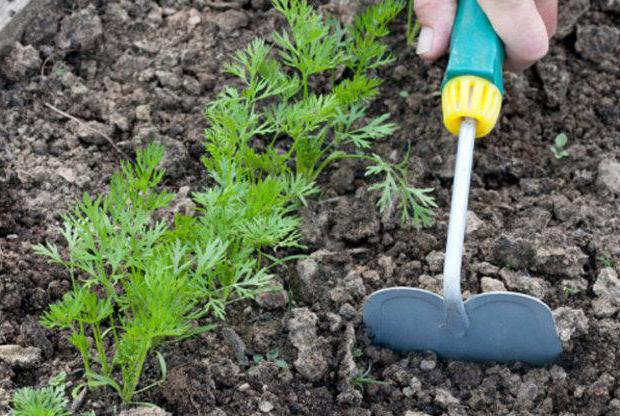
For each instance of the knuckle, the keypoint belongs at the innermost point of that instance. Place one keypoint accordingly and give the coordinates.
(424, 8)
(536, 49)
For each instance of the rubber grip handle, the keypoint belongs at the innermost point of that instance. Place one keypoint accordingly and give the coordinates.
(475, 48)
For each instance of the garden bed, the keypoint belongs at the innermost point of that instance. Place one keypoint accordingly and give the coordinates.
(139, 72)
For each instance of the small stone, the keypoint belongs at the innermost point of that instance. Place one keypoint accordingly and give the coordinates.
(563, 208)
(428, 365)
(178, 19)
(244, 387)
(67, 174)
(431, 283)
(143, 112)
(194, 19)
(18, 356)
(445, 399)
(145, 411)
(515, 253)
(609, 176)
(569, 14)
(524, 283)
(311, 362)
(236, 344)
(485, 268)
(603, 308)
(21, 62)
(561, 261)
(265, 406)
(597, 42)
(276, 299)
(607, 285)
(169, 79)
(488, 284)
(307, 278)
(473, 223)
(231, 20)
(435, 261)
(526, 394)
(556, 80)
(335, 321)
(387, 264)
(570, 322)
(611, 5)
(558, 374)
(415, 413)
(91, 132)
(82, 30)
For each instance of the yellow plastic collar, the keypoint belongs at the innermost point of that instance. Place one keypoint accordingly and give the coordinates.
(470, 96)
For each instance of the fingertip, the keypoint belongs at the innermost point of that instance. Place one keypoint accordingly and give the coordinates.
(436, 18)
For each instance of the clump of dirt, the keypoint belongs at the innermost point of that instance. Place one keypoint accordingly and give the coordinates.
(139, 71)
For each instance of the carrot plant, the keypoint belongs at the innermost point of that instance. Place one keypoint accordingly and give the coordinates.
(140, 280)
(303, 104)
(137, 281)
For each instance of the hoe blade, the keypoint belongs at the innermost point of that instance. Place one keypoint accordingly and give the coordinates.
(504, 326)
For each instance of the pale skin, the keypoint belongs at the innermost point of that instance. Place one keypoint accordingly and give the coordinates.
(525, 27)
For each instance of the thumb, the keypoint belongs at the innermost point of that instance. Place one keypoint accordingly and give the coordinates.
(436, 18)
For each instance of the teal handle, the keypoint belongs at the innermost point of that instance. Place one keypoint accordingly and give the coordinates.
(475, 48)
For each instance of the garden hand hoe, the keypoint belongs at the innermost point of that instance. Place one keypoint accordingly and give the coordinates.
(494, 326)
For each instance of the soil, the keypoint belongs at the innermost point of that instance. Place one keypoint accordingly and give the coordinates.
(141, 70)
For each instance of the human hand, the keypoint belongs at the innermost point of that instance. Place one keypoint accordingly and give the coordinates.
(524, 26)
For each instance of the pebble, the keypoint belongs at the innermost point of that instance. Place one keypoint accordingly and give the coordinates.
(21, 61)
(265, 406)
(561, 261)
(607, 285)
(435, 261)
(609, 176)
(145, 411)
(275, 299)
(67, 174)
(428, 365)
(231, 20)
(90, 132)
(570, 322)
(81, 30)
(511, 252)
(473, 223)
(18, 356)
(488, 284)
(445, 399)
(307, 276)
(524, 283)
(302, 327)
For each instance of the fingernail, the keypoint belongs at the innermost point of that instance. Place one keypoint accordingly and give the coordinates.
(425, 40)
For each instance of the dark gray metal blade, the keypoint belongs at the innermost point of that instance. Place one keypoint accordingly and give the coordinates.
(504, 326)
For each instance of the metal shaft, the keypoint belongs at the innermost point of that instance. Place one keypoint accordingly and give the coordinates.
(455, 317)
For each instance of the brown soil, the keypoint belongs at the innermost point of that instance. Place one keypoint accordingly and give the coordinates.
(142, 70)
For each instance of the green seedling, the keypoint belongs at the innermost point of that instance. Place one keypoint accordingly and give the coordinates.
(413, 28)
(139, 282)
(360, 381)
(570, 291)
(295, 113)
(46, 401)
(559, 146)
(606, 261)
(270, 356)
